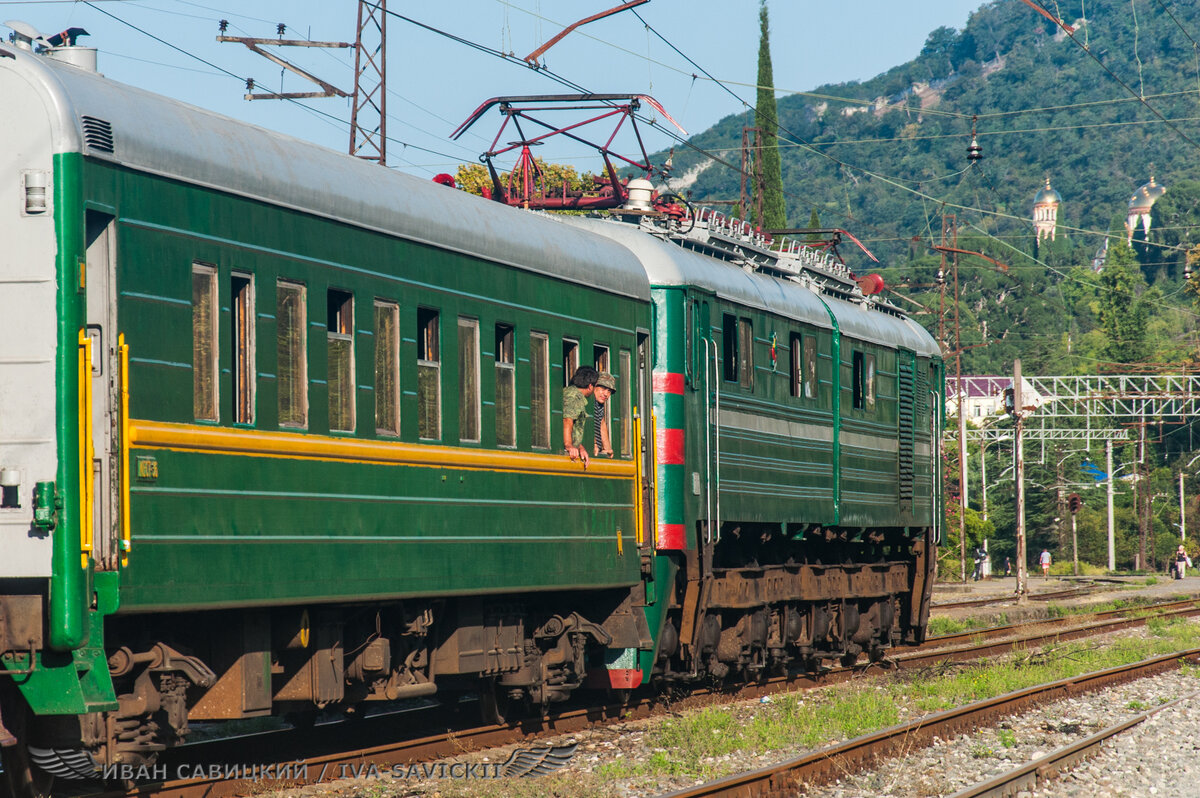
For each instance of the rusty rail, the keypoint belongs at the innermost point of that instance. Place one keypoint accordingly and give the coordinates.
(827, 764)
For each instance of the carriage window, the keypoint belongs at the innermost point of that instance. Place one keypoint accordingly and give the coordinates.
(539, 389)
(600, 357)
(429, 375)
(858, 381)
(204, 342)
(340, 322)
(242, 301)
(869, 382)
(797, 358)
(810, 367)
(468, 380)
(387, 368)
(626, 391)
(506, 387)
(746, 349)
(570, 360)
(729, 341)
(291, 322)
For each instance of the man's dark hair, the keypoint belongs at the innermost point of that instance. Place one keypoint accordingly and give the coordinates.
(584, 377)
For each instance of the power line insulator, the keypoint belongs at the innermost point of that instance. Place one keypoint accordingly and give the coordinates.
(974, 151)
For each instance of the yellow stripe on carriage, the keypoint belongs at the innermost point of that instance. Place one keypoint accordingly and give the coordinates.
(300, 446)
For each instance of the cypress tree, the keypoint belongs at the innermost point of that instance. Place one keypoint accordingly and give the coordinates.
(766, 118)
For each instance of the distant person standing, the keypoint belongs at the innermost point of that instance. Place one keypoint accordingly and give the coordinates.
(1008, 566)
(1044, 561)
(980, 557)
(1182, 561)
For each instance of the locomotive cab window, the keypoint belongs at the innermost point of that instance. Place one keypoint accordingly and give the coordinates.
(204, 342)
(242, 321)
(429, 375)
(796, 357)
(869, 384)
(291, 322)
(506, 387)
(340, 321)
(468, 380)
(810, 367)
(387, 368)
(539, 390)
(864, 381)
(729, 343)
(746, 350)
(858, 380)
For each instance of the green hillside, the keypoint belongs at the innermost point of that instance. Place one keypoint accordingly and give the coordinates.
(889, 157)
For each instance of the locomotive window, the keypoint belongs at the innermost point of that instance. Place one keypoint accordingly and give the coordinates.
(429, 375)
(204, 342)
(468, 380)
(869, 382)
(506, 387)
(797, 358)
(810, 367)
(570, 360)
(340, 321)
(291, 323)
(626, 390)
(242, 302)
(387, 368)
(746, 349)
(858, 381)
(539, 393)
(729, 341)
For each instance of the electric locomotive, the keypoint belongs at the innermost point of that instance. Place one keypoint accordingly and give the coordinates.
(278, 433)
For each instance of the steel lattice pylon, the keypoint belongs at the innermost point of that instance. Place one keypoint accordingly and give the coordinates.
(368, 120)
(1107, 404)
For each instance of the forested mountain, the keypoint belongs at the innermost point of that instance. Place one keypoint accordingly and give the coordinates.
(886, 157)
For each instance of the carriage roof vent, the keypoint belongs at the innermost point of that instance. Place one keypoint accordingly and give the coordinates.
(97, 134)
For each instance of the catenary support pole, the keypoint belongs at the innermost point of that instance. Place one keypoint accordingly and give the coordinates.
(1112, 549)
(1019, 455)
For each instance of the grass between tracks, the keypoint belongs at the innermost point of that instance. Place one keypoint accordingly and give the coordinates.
(700, 745)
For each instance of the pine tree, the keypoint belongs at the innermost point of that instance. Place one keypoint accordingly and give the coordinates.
(766, 119)
(814, 223)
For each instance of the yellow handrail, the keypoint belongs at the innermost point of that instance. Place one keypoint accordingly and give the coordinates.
(87, 451)
(126, 537)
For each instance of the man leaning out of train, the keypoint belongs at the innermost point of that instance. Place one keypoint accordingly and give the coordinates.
(575, 411)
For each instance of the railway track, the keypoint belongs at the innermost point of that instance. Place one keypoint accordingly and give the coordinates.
(354, 741)
(827, 764)
(1049, 595)
(1042, 769)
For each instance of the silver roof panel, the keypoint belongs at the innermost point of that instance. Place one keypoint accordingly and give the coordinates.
(155, 134)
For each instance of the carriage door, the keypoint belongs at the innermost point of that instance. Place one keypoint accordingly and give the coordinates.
(100, 329)
(700, 367)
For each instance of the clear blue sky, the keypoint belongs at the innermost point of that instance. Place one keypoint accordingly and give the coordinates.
(435, 83)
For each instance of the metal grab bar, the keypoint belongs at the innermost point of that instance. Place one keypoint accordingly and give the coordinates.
(126, 458)
(87, 452)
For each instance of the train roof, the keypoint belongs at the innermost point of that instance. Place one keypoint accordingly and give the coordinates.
(669, 264)
(114, 122)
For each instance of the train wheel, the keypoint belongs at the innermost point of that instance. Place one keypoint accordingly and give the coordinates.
(495, 704)
(21, 777)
